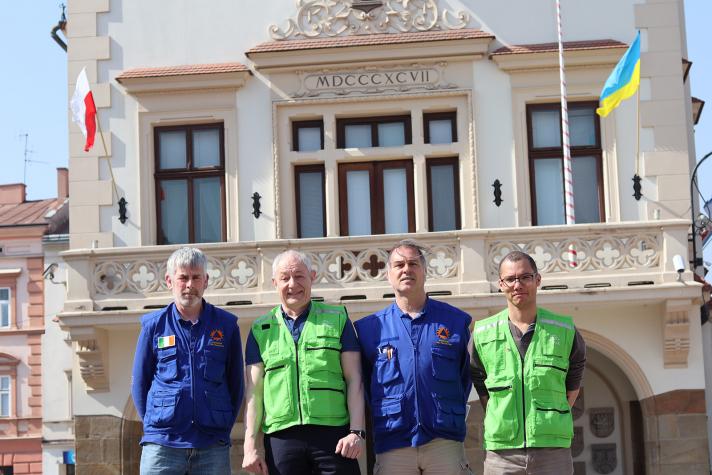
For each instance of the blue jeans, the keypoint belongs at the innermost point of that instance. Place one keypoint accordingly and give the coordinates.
(160, 460)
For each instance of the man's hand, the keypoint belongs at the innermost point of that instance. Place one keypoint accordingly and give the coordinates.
(350, 446)
(253, 462)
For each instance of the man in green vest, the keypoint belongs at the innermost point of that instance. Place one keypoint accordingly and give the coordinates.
(304, 389)
(527, 365)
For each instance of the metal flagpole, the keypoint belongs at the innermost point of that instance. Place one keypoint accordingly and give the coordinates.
(568, 165)
(106, 156)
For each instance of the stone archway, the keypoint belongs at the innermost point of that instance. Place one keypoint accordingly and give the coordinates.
(131, 433)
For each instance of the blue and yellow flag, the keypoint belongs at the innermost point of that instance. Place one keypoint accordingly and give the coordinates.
(623, 81)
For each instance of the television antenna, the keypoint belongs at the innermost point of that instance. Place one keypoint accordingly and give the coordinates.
(27, 154)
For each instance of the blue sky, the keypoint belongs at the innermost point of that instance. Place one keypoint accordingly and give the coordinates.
(34, 91)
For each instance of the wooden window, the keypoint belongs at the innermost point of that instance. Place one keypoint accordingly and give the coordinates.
(373, 132)
(5, 396)
(376, 198)
(546, 172)
(190, 183)
(5, 307)
(440, 127)
(308, 136)
(310, 200)
(443, 176)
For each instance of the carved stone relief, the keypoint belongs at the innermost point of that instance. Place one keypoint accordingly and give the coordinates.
(602, 421)
(325, 18)
(579, 468)
(577, 444)
(604, 458)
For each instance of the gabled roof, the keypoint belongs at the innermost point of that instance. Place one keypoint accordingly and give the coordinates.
(28, 213)
(553, 47)
(367, 40)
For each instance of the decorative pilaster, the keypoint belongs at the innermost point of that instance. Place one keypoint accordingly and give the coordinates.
(676, 333)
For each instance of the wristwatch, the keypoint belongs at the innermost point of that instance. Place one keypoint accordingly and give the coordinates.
(360, 433)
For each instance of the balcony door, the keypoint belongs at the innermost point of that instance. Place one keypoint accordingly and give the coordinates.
(376, 198)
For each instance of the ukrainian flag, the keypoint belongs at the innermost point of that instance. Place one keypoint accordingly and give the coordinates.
(623, 81)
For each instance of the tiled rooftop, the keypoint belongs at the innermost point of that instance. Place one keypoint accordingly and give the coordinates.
(568, 46)
(182, 70)
(27, 213)
(368, 40)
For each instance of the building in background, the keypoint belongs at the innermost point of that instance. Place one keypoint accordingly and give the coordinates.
(23, 225)
(338, 128)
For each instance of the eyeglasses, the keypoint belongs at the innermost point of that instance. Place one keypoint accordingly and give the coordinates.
(524, 279)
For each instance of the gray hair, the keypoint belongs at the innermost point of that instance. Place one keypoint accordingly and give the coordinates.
(188, 258)
(516, 256)
(297, 255)
(412, 244)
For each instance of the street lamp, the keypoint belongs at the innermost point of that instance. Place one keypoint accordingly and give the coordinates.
(698, 222)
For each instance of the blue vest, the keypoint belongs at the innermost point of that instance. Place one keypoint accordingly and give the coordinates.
(417, 387)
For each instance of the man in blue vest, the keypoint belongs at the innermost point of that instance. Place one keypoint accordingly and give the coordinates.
(187, 376)
(527, 366)
(416, 374)
(304, 389)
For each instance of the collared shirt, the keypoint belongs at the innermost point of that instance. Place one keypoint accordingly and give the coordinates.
(349, 342)
(577, 359)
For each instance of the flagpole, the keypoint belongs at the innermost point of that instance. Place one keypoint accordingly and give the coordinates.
(637, 132)
(106, 156)
(568, 164)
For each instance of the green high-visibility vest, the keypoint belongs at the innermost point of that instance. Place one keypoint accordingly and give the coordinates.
(527, 404)
(303, 382)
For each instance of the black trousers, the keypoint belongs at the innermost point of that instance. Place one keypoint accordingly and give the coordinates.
(308, 450)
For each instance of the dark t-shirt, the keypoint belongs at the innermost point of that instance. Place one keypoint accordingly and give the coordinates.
(577, 359)
(349, 342)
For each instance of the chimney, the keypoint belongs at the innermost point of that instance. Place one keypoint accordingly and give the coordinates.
(62, 184)
(12, 194)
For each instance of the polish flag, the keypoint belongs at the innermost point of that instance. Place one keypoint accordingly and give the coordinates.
(83, 109)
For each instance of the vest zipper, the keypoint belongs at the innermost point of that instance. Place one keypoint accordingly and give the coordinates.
(524, 405)
(499, 388)
(549, 366)
(327, 389)
(299, 393)
(275, 367)
(551, 410)
(322, 348)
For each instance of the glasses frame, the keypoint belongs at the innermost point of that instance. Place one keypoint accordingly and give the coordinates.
(524, 279)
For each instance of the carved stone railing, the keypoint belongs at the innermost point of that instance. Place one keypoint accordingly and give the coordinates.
(459, 263)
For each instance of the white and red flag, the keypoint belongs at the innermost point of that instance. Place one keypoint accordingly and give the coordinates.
(83, 109)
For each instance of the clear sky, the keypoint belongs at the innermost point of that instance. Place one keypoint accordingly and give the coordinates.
(34, 90)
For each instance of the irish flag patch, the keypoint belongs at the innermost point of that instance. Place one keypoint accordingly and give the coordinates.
(166, 341)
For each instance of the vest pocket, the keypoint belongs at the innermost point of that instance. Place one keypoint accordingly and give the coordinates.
(167, 365)
(549, 374)
(387, 369)
(501, 417)
(450, 414)
(215, 366)
(387, 415)
(328, 400)
(553, 418)
(219, 411)
(324, 354)
(163, 408)
(278, 392)
(445, 367)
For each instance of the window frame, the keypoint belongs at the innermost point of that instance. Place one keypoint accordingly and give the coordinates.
(430, 116)
(298, 169)
(375, 169)
(10, 379)
(439, 161)
(595, 150)
(373, 122)
(189, 174)
(306, 124)
(10, 300)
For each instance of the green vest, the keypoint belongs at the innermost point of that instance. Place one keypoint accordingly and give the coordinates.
(527, 404)
(304, 382)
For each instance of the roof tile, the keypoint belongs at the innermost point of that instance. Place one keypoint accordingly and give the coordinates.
(181, 70)
(27, 213)
(568, 46)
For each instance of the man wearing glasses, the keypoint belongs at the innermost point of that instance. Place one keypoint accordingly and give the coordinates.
(527, 365)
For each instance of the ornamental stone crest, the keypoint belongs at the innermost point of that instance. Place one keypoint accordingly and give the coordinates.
(328, 18)
(604, 458)
(602, 421)
(577, 443)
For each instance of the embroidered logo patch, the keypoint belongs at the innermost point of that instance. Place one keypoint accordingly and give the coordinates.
(443, 333)
(216, 338)
(166, 341)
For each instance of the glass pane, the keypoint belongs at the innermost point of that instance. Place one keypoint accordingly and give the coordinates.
(311, 204)
(174, 211)
(586, 199)
(549, 182)
(172, 149)
(391, 134)
(357, 136)
(309, 139)
(395, 200)
(5, 405)
(358, 191)
(207, 209)
(440, 131)
(546, 128)
(4, 314)
(4, 294)
(5, 383)
(442, 181)
(206, 148)
(582, 126)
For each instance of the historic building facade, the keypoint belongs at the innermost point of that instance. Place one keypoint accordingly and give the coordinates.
(339, 127)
